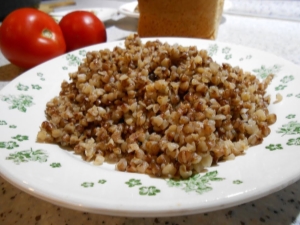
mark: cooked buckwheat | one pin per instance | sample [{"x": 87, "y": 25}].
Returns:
[{"x": 160, "y": 109}]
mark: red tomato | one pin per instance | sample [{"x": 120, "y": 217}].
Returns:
[
  {"x": 82, "y": 28},
  {"x": 29, "y": 37}
]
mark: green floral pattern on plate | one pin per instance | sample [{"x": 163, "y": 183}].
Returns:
[
  {"x": 36, "y": 87},
  {"x": 92, "y": 184},
  {"x": 3, "y": 122},
  {"x": 292, "y": 127},
  {"x": 22, "y": 87},
  {"x": 237, "y": 182},
  {"x": 133, "y": 182},
  {"x": 273, "y": 147},
  {"x": 41, "y": 76},
  {"x": 82, "y": 52},
  {"x": 287, "y": 79},
  {"x": 27, "y": 156},
  {"x": 148, "y": 191},
  {"x": 213, "y": 49},
  {"x": 55, "y": 165},
  {"x": 144, "y": 190},
  {"x": 227, "y": 53},
  {"x": 101, "y": 181},
  {"x": 21, "y": 102},
  {"x": 294, "y": 141},
  {"x": 198, "y": 183},
  {"x": 73, "y": 60},
  {"x": 289, "y": 128},
  {"x": 247, "y": 57},
  {"x": 9, "y": 145},
  {"x": 21, "y": 137},
  {"x": 87, "y": 184},
  {"x": 290, "y": 116},
  {"x": 264, "y": 71},
  {"x": 280, "y": 87}
]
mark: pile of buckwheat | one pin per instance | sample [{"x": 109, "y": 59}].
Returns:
[{"x": 160, "y": 109}]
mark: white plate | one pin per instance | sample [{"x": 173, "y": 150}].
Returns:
[
  {"x": 103, "y": 14},
  {"x": 58, "y": 176},
  {"x": 128, "y": 8}
]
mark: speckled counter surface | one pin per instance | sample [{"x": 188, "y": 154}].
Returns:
[
  {"x": 280, "y": 37},
  {"x": 281, "y": 208}
]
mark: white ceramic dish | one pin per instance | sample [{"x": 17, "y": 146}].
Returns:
[
  {"x": 58, "y": 176},
  {"x": 103, "y": 14},
  {"x": 128, "y": 8}
]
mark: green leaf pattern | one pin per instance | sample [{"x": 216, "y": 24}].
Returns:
[
  {"x": 9, "y": 145},
  {"x": 148, "y": 191},
  {"x": 36, "y": 87},
  {"x": 82, "y": 52},
  {"x": 3, "y": 123},
  {"x": 293, "y": 127},
  {"x": 20, "y": 102},
  {"x": 247, "y": 57},
  {"x": 73, "y": 60},
  {"x": 294, "y": 141},
  {"x": 264, "y": 71},
  {"x": 237, "y": 182},
  {"x": 273, "y": 147},
  {"x": 197, "y": 183},
  {"x": 226, "y": 50},
  {"x": 227, "y": 53},
  {"x": 27, "y": 156},
  {"x": 212, "y": 49},
  {"x": 20, "y": 137},
  {"x": 87, "y": 184},
  {"x": 290, "y": 116},
  {"x": 133, "y": 182},
  {"x": 41, "y": 76},
  {"x": 287, "y": 79},
  {"x": 22, "y": 87},
  {"x": 280, "y": 87},
  {"x": 55, "y": 165}
]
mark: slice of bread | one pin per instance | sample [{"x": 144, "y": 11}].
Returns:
[{"x": 180, "y": 18}]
